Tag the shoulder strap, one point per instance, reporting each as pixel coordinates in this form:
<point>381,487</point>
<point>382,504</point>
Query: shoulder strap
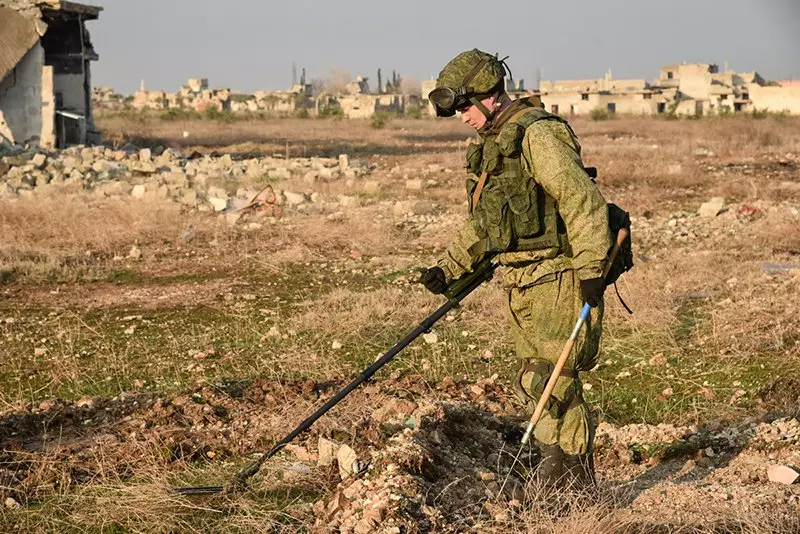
<point>476,195</point>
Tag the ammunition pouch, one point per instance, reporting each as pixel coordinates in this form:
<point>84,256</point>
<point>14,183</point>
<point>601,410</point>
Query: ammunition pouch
<point>512,210</point>
<point>531,380</point>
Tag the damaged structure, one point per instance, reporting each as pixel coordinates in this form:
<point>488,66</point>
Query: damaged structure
<point>686,89</point>
<point>45,75</point>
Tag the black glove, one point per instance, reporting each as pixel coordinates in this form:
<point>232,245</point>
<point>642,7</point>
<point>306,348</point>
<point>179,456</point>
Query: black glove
<point>434,280</point>
<point>592,291</point>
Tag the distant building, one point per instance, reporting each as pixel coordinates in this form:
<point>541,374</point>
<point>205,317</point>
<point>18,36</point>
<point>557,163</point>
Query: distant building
<point>45,75</point>
<point>683,89</point>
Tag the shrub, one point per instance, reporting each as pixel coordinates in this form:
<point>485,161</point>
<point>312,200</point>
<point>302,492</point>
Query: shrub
<point>380,119</point>
<point>414,111</point>
<point>600,114</point>
<point>214,114</point>
<point>330,111</point>
<point>176,114</point>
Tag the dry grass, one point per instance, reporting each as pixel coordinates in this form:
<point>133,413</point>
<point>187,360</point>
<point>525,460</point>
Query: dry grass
<point>568,511</point>
<point>703,307</point>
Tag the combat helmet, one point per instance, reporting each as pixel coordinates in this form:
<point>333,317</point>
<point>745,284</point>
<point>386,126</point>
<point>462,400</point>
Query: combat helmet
<point>469,78</point>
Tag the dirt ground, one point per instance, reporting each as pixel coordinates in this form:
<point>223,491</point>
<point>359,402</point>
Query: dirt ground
<point>123,375</point>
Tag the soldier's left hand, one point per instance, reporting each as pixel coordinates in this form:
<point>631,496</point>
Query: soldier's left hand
<point>434,280</point>
<point>592,291</point>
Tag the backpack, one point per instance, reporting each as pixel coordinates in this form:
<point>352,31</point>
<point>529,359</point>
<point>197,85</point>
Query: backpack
<point>623,262</point>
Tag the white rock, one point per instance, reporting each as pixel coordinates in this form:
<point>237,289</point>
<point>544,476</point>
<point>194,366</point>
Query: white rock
<point>712,208</point>
<point>782,474</point>
<point>138,191</point>
<point>294,199</point>
<point>431,338</point>
<point>135,253</point>
<point>348,461</point>
<point>336,345</point>
<point>11,503</point>
<point>39,160</point>
<point>344,162</point>
<point>219,204</point>
<point>145,154</point>
<point>326,450</point>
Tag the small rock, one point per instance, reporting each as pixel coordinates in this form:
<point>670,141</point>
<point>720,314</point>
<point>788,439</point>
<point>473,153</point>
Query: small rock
<point>85,402</point>
<point>431,338</point>
<point>135,253</point>
<point>326,449</point>
<point>219,204</point>
<point>414,184</point>
<point>39,351</point>
<point>11,503</point>
<point>39,160</point>
<point>336,345</point>
<point>339,503</point>
<point>782,474</point>
<point>138,191</point>
<point>712,208</point>
<point>344,162</point>
<point>294,199</point>
<point>348,461</point>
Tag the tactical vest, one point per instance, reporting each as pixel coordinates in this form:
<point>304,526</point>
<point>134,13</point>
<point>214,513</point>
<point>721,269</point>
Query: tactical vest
<point>513,212</point>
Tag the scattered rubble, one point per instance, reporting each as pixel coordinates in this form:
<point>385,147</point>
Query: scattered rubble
<point>205,183</point>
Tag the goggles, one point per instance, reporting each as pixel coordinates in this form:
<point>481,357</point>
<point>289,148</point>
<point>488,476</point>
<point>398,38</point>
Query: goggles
<point>446,101</point>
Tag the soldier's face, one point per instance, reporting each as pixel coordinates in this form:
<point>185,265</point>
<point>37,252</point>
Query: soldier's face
<point>472,116</point>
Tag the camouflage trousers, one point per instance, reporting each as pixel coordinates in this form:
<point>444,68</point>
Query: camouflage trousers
<point>543,316</point>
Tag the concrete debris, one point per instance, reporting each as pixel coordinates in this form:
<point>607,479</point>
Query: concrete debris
<point>219,204</point>
<point>200,183</point>
<point>712,208</point>
<point>348,461</point>
<point>294,199</point>
<point>431,338</point>
<point>782,474</point>
<point>326,450</point>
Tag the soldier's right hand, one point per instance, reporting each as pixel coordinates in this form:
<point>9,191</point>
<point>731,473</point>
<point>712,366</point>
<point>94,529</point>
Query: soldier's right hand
<point>434,280</point>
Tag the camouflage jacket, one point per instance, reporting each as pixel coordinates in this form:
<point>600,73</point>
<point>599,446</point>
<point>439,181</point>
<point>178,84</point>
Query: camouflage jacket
<point>539,158</point>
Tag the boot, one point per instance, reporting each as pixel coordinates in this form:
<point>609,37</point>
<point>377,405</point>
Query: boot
<point>579,471</point>
<point>551,465</point>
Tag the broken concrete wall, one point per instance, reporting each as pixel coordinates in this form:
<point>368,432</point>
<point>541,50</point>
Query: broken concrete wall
<point>21,99</point>
<point>775,99</point>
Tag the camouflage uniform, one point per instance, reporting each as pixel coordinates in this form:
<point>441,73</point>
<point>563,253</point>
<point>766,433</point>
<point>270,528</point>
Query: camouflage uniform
<point>549,223</point>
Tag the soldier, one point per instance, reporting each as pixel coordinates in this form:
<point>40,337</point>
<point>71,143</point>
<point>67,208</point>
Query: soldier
<point>531,203</point>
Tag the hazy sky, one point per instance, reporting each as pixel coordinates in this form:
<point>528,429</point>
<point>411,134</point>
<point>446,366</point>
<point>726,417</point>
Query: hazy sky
<point>250,44</point>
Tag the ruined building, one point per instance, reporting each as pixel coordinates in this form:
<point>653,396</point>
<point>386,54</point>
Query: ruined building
<point>45,78</point>
<point>685,89</point>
